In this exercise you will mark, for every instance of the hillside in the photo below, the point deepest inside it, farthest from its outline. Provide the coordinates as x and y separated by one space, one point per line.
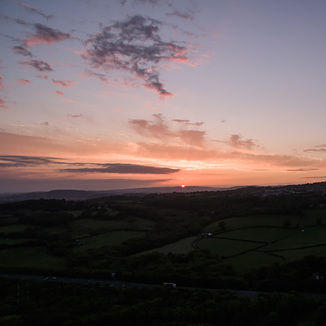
202 238
71 194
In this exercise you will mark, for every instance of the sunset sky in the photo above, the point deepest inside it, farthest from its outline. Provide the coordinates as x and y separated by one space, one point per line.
111 94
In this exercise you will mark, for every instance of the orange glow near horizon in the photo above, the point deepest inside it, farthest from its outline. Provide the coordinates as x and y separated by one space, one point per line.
135 114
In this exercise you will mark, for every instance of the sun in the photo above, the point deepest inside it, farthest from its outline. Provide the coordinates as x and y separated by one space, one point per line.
183 186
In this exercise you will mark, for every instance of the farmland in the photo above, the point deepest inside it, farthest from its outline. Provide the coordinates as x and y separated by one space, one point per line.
203 238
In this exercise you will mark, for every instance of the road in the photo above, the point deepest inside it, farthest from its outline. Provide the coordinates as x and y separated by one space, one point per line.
120 284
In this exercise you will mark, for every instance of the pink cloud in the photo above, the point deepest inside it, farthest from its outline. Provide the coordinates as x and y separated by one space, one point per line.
161 129
193 137
43 77
236 141
34 10
188 123
1 83
316 149
3 104
39 65
75 115
183 15
60 93
45 123
22 51
45 35
134 46
243 160
62 83
24 81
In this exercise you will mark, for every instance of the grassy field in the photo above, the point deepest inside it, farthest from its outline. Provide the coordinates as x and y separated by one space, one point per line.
259 234
13 228
246 242
108 239
301 237
252 260
183 246
226 247
33 257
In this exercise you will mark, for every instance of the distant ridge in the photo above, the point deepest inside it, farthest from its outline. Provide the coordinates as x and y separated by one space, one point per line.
71 194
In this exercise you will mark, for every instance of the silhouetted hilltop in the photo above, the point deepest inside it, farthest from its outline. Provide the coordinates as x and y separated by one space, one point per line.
88 194
85 194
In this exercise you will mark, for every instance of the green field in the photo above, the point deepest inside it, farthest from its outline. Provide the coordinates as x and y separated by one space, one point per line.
58 234
30 257
226 247
252 260
108 239
259 234
257 241
182 246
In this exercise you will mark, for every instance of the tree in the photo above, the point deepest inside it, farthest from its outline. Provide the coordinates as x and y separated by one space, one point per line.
222 225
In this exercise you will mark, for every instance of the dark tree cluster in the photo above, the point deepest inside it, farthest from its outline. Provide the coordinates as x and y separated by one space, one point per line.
59 304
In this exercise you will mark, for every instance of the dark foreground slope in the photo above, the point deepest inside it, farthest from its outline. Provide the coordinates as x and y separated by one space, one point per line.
249 238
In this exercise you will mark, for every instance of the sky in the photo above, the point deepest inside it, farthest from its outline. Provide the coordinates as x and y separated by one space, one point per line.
115 94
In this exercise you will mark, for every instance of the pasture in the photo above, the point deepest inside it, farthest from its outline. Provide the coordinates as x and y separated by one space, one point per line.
44 236
30 257
255 241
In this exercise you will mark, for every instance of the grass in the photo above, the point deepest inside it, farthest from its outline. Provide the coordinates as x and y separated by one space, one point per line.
241 240
109 239
183 246
225 247
83 225
309 237
252 260
252 220
13 228
12 242
269 229
35 257
262 234
292 255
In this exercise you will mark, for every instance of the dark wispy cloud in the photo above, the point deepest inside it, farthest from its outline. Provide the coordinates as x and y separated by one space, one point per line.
16 161
188 123
319 148
22 51
45 35
302 170
23 161
63 83
152 2
13 20
183 15
124 169
34 10
1 83
100 76
134 46
161 128
39 65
